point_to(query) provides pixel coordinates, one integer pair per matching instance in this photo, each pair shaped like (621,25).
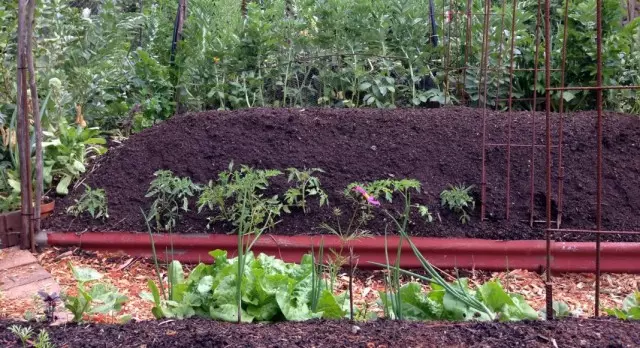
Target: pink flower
(367,196)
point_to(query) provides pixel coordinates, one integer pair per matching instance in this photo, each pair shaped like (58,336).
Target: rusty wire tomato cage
(599,88)
(553,224)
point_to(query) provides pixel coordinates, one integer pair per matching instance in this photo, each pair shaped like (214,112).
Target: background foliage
(107,63)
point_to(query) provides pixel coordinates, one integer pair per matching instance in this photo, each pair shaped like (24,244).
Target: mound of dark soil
(377,334)
(436,146)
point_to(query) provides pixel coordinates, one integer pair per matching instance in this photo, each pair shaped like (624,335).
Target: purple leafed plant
(51,301)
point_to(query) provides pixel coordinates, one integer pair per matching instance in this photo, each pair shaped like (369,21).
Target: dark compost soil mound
(381,333)
(436,146)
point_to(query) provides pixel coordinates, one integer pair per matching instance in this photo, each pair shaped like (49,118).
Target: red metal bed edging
(462,253)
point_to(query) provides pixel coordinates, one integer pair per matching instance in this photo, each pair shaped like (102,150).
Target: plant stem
(351,282)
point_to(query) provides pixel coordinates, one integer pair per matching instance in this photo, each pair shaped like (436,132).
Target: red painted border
(480,254)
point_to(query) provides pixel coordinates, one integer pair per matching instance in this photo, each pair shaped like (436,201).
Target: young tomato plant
(385,189)
(237,198)
(171,194)
(307,186)
(458,200)
(93,201)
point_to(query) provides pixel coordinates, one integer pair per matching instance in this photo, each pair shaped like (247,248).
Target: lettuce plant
(271,290)
(438,304)
(630,308)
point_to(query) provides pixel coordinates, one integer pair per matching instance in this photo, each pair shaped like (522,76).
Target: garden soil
(438,147)
(335,334)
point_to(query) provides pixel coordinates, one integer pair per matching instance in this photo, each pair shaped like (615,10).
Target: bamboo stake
(36,121)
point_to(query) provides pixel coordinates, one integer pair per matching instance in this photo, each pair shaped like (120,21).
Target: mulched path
(436,146)
(381,333)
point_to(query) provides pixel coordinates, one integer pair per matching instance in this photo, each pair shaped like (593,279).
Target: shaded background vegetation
(107,63)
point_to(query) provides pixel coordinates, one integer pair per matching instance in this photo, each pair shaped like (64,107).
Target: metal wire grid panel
(542,36)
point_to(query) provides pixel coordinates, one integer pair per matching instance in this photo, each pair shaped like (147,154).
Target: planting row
(240,200)
(262,288)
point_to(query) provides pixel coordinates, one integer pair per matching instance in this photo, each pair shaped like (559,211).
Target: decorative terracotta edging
(480,254)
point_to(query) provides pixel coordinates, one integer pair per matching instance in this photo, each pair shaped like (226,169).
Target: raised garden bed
(380,333)
(438,147)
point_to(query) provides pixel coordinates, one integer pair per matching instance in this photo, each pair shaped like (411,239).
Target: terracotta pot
(46,208)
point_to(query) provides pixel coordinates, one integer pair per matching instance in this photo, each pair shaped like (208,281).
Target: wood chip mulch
(130,276)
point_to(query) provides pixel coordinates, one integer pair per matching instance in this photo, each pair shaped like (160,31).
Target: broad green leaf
(364,86)
(219,255)
(205,284)
(15,185)
(631,301)
(157,312)
(294,300)
(229,312)
(616,313)
(328,306)
(154,291)
(98,141)
(147,296)
(175,273)
(63,186)
(519,310)
(84,274)
(493,296)
(568,96)
(264,312)
(77,165)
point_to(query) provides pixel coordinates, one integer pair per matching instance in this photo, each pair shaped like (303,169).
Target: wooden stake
(36,121)
(23,128)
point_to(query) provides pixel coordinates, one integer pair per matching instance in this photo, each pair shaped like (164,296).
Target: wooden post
(37,123)
(23,128)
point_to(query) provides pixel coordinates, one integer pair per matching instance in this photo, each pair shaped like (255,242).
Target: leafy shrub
(630,308)
(92,201)
(271,290)
(307,186)
(458,200)
(99,298)
(66,150)
(171,194)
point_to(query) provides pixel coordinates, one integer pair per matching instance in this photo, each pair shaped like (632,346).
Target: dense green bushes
(108,62)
